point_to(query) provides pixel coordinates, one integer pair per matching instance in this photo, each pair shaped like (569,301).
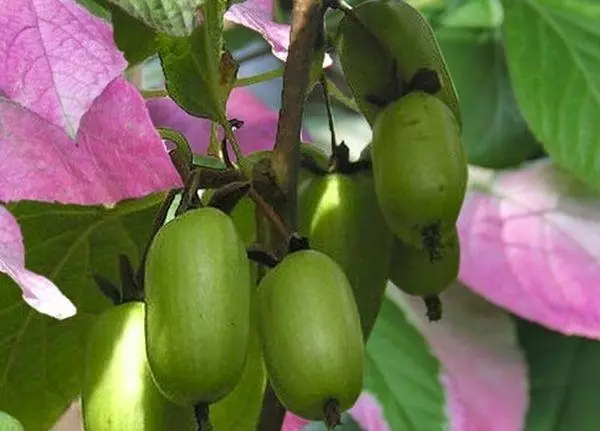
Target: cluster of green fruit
(154,365)
(397,74)
(159,363)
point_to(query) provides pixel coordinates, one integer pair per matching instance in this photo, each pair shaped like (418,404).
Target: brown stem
(268,212)
(329,112)
(307,16)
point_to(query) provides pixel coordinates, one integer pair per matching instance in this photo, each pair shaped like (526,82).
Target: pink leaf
(366,412)
(39,292)
(117,154)
(55,58)
(530,244)
(292,422)
(484,372)
(258,132)
(257,15)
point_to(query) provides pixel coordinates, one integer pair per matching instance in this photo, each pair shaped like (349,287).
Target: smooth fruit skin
(118,393)
(419,167)
(240,409)
(310,334)
(197,283)
(413,272)
(368,68)
(409,38)
(340,215)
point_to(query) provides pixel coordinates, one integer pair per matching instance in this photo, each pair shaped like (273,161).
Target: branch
(307,21)
(307,18)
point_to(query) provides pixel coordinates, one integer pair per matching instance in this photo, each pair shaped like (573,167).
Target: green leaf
(172,17)
(564,380)
(553,52)
(133,37)
(238,38)
(348,424)
(475,13)
(199,76)
(97,7)
(495,133)
(40,358)
(8,423)
(210,162)
(403,375)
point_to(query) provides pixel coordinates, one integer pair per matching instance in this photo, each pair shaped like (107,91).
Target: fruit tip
(332,413)
(434,307)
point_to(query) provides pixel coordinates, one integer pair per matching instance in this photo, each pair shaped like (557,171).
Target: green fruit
(411,41)
(9,423)
(310,334)
(414,272)
(246,398)
(118,393)
(420,169)
(340,216)
(368,67)
(197,283)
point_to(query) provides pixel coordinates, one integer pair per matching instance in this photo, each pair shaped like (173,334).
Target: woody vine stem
(307,17)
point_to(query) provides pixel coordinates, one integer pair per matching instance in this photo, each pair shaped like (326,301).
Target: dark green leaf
(97,7)
(348,424)
(403,375)
(475,14)
(209,162)
(40,358)
(133,37)
(553,52)
(238,38)
(495,134)
(199,76)
(564,380)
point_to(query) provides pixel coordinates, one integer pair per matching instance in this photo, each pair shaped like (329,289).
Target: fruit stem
(228,196)
(268,211)
(298,243)
(332,414)
(434,307)
(149,94)
(201,411)
(336,93)
(327,100)
(189,197)
(262,257)
(159,220)
(426,80)
(233,142)
(261,77)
